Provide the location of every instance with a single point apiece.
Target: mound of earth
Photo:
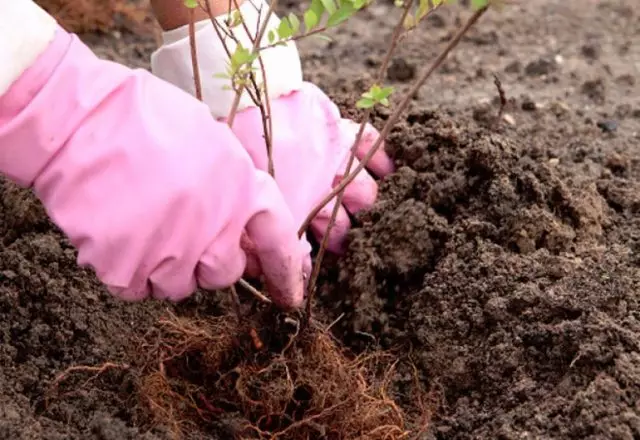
(504, 262)
(500, 264)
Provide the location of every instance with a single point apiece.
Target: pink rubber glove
(311, 141)
(154, 193)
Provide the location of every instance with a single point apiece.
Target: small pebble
(607, 126)
(509, 119)
(539, 67)
(559, 59)
(591, 51)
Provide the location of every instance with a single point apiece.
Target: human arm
(311, 142)
(153, 192)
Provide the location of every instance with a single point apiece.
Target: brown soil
(501, 259)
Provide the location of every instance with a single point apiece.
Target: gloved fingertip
(278, 250)
(289, 298)
(380, 164)
(338, 234)
(361, 193)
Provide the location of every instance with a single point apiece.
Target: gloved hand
(154, 193)
(311, 141)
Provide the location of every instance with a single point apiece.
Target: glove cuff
(172, 61)
(26, 31)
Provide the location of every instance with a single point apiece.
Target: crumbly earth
(502, 256)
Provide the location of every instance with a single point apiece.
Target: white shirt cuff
(172, 61)
(26, 31)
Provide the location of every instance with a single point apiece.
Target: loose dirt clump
(277, 382)
(500, 269)
(489, 258)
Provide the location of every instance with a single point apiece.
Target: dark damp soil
(501, 259)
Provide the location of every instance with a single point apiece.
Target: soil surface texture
(501, 259)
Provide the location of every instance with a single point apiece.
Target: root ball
(209, 374)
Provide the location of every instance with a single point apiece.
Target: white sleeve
(25, 32)
(172, 61)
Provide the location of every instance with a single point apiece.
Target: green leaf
(365, 103)
(329, 6)
(381, 93)
(295, 23)
(271, 36)
(345, 11)
(317, 8)
(478, 4)
(240, 57)
(375, 95)
(323, 37)
(236, 19)
(423, 9)
(409, 22)
(284, 29)
(310, 20)
(191, 4)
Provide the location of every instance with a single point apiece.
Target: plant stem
(354, 149)
(394, 117)
(256, 43)
(295, 38)
(263, 100)
(194, 54)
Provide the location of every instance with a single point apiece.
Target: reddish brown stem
(194, 54)
(394, 118)
(354, 149)
(258, 39)
(263, 104)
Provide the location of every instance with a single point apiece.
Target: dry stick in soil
(503, 98)
(354, 148)
(393, 118)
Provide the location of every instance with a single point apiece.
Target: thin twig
(257, 101)
(194, 54)
(354, 150)
(295, 38)
(394, 118)
(258, 39)
(219, 32)
(335, 321)
(264, 104)
(255, 292)
(502, 95)
(236, 302)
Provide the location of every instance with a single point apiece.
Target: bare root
(205, 373)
